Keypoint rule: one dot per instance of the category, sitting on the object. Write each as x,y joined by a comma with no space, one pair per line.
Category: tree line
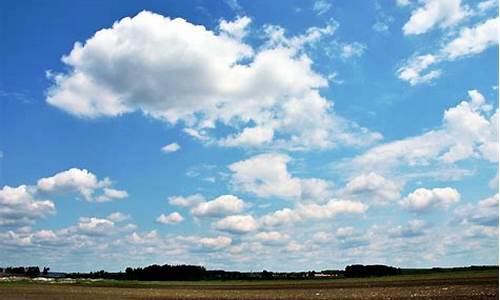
193,272
32,271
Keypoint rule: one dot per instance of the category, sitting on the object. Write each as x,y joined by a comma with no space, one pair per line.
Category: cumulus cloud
414,228
482,213
80,181
93,226
468,130
473,40
470,41
118,217
111,194
24,204
432,13
18,206
423,199
221,206
238,224
372,187
172,218
188,201
266,175
135,66
237,28
272,237
173,147
413,68
304,212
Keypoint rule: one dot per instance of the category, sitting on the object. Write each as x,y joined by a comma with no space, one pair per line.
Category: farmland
458,285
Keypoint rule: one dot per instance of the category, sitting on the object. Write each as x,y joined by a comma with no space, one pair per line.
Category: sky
248,135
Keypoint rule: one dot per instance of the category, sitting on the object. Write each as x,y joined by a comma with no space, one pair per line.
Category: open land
460,285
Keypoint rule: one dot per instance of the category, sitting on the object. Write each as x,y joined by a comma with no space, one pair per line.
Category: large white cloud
423,199
180,72
18,206
238,224
80,181
172,218
468,130
312,211
442,13
266,175
469,41
483,213
24,204
374,188
221,206
473,40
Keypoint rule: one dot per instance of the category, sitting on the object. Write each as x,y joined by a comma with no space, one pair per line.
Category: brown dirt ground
443,289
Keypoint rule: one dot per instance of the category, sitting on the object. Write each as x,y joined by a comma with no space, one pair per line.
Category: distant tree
33,271
370,270
267,275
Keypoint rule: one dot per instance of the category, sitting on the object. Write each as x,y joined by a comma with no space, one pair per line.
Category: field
460,285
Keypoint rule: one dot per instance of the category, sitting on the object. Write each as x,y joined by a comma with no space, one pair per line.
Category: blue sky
249,135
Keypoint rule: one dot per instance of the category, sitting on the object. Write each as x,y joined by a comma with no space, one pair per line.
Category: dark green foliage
370,270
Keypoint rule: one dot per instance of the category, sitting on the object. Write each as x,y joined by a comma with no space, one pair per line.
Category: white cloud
238,224
72,180
322,237
294,246
170,148
237,28
487,5
188,201
468,130
221,206
118,217
403,2
80,181
18,206
344,232
414,228
172,218
234,5
250,136
412,70
266,175
138,239
442,13
212,243
423,199
353,50
266,101
93,226
303,212
470,41
372,187
22,205
473,40
111,194
380,27
321,6
483,213
272,237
